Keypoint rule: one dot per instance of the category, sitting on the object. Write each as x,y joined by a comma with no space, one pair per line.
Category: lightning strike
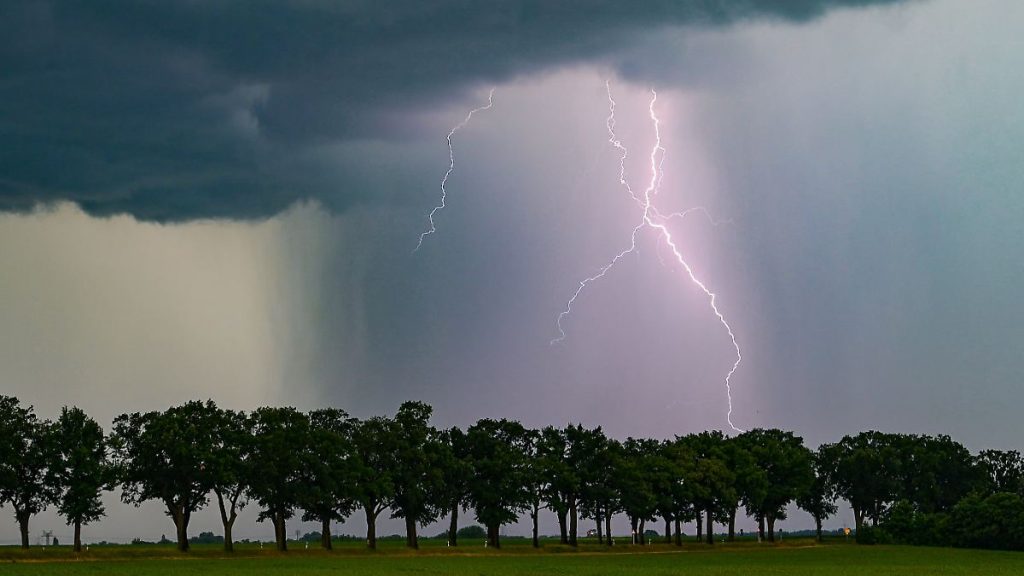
657,222
451,167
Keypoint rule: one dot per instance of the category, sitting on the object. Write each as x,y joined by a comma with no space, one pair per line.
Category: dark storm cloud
172,111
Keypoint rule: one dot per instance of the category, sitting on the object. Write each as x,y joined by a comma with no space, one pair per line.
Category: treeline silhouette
327,465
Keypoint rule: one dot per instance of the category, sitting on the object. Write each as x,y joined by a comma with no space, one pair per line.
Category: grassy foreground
794,558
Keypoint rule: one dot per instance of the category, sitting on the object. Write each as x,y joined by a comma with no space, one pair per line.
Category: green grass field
794,558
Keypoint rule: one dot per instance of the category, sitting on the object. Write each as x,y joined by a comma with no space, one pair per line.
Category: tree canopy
914,489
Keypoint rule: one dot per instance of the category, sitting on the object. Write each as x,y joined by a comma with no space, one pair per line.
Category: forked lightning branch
650,220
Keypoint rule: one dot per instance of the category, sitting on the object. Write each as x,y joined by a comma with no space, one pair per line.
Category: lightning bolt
657,222
451,167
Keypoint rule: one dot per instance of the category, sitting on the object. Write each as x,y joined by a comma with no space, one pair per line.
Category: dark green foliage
325,478
498,488
714,483
474,531
905,489
560,483
372,467
278,460
573,465
786,472
229,466
599,499
535,480
1001,471
456,470
866,473
935,472
78,468
24,452
163,455
750,479
636,474
682,488
874,470
994,521
589,456
418,477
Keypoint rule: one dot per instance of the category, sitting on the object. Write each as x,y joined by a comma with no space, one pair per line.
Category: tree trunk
817,528
700,527
227,518
371,527
563,532
668,530
710,532
608,528
78,535
22,518
536,532
600,534
493,539
411,540
453,527
760,527
858,519
573,524
771,528
679,532
325,534
643,535
180,517
282,532
732,525
229,544
632,526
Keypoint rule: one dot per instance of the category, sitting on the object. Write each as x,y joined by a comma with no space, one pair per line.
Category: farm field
794,558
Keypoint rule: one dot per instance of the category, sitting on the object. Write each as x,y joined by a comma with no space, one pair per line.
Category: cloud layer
190,110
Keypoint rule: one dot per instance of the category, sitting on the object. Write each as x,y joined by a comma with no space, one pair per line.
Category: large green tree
535,482
23,463
713,483
326,481
1003,471
418,474
935,472
681,507
457,470
373,467
749,481
280,439
164,456
498,489
597,499
788,472
584,446
866,473
78,470
636,472
665,472
560,483
230,466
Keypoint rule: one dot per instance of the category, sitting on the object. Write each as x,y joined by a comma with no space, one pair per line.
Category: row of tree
328,465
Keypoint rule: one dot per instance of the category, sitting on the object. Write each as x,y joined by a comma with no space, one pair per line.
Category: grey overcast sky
222,200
